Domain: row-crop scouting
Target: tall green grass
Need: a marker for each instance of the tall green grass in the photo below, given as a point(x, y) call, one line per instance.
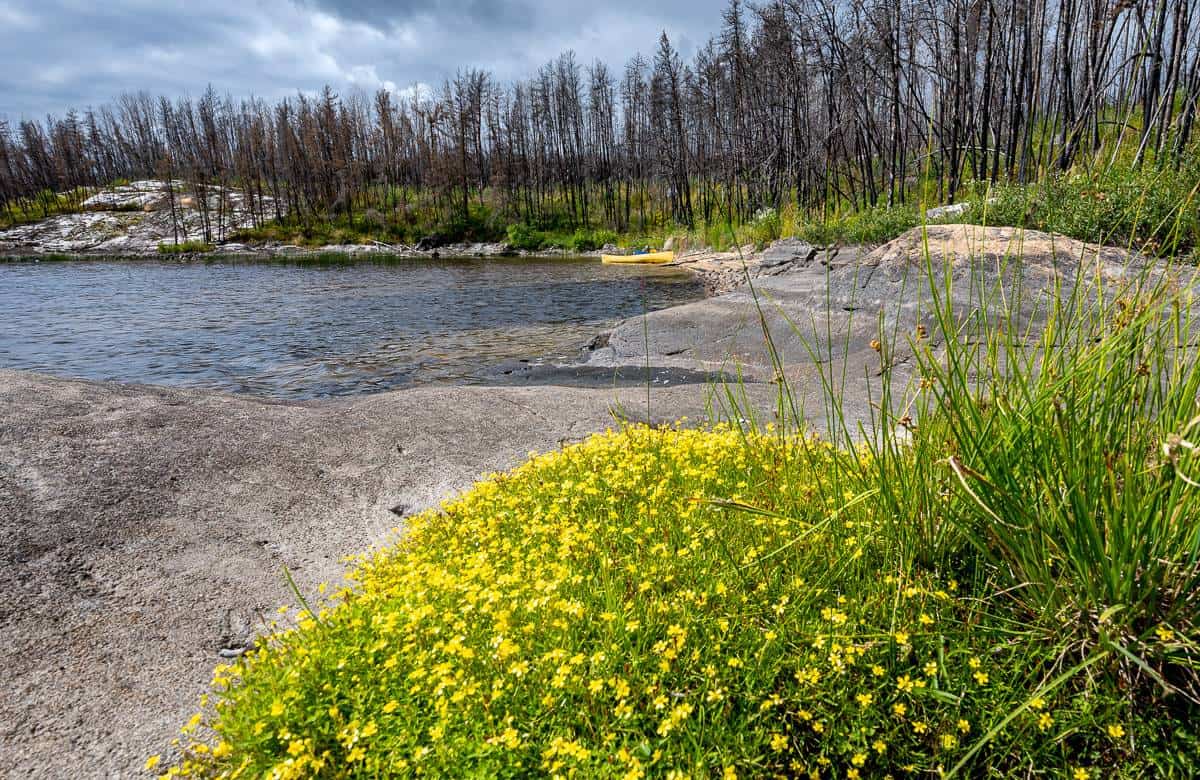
point(1155, 210)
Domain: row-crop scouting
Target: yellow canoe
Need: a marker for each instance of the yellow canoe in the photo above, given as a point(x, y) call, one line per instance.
point(651, 258)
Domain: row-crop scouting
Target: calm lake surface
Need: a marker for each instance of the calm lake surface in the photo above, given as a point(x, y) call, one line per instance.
point(303, 330)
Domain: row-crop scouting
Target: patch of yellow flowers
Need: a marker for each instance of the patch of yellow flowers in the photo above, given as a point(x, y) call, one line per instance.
point(651, 602)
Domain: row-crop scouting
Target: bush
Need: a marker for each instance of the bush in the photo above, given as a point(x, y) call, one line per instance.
point(478, 225)
point(373, 219)
point(185, 247)
point(522, 236)
point(587, 240)
point(876, 225)
point(765, 227)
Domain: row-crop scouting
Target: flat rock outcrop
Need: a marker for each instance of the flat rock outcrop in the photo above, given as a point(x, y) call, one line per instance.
point(829, 305)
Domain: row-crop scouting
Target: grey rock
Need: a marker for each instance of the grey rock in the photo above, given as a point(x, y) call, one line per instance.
point(786, 251)
point(829, 309)
point(945, 212)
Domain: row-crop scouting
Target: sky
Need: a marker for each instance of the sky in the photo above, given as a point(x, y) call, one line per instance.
point(60, 54)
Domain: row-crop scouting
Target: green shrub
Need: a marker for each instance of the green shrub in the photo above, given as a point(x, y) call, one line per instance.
point(522, 236)
point(765, 227)
point(185, 247)
point(587, 240)
point(718, 236)
point(868, 226)
point(577, 240)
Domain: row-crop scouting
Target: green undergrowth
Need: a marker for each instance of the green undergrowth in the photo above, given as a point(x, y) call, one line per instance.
point(1149, 209)
point(523, 236)
point(46, 204)
point(1000, 577)
point(186, 247)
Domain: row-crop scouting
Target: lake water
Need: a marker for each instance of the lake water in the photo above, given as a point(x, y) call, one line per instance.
point(306, 330)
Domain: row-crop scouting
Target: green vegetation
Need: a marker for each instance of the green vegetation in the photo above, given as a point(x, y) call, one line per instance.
point(1150, 208)
point(46, 203)
point(999, 575)
point(521, 236)
point(1153, 210)
point(185, 248)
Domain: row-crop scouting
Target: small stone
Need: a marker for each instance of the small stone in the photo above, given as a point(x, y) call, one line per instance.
point(951, 210)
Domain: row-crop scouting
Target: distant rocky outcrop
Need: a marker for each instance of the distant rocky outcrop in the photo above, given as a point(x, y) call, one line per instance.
point(131, 219)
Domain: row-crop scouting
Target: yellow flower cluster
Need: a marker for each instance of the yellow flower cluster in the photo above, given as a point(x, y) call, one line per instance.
point(648, 602)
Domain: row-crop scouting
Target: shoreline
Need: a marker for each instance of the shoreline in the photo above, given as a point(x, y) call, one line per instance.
point(720, 272)
point(129, 222)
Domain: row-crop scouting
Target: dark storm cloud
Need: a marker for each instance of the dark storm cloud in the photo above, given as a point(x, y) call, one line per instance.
point(57, 54)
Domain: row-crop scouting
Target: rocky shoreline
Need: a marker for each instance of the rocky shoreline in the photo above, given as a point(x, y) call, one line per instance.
point(131, 222)
point(143, 530)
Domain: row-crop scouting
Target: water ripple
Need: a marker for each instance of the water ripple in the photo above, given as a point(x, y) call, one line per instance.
point(307, 331)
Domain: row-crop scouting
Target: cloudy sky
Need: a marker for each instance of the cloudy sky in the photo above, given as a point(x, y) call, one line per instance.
point(57, 54)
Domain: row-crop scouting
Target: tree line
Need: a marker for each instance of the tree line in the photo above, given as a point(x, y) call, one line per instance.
point(817, 102)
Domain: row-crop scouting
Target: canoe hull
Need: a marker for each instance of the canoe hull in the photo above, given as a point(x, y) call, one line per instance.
point(651, 258)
